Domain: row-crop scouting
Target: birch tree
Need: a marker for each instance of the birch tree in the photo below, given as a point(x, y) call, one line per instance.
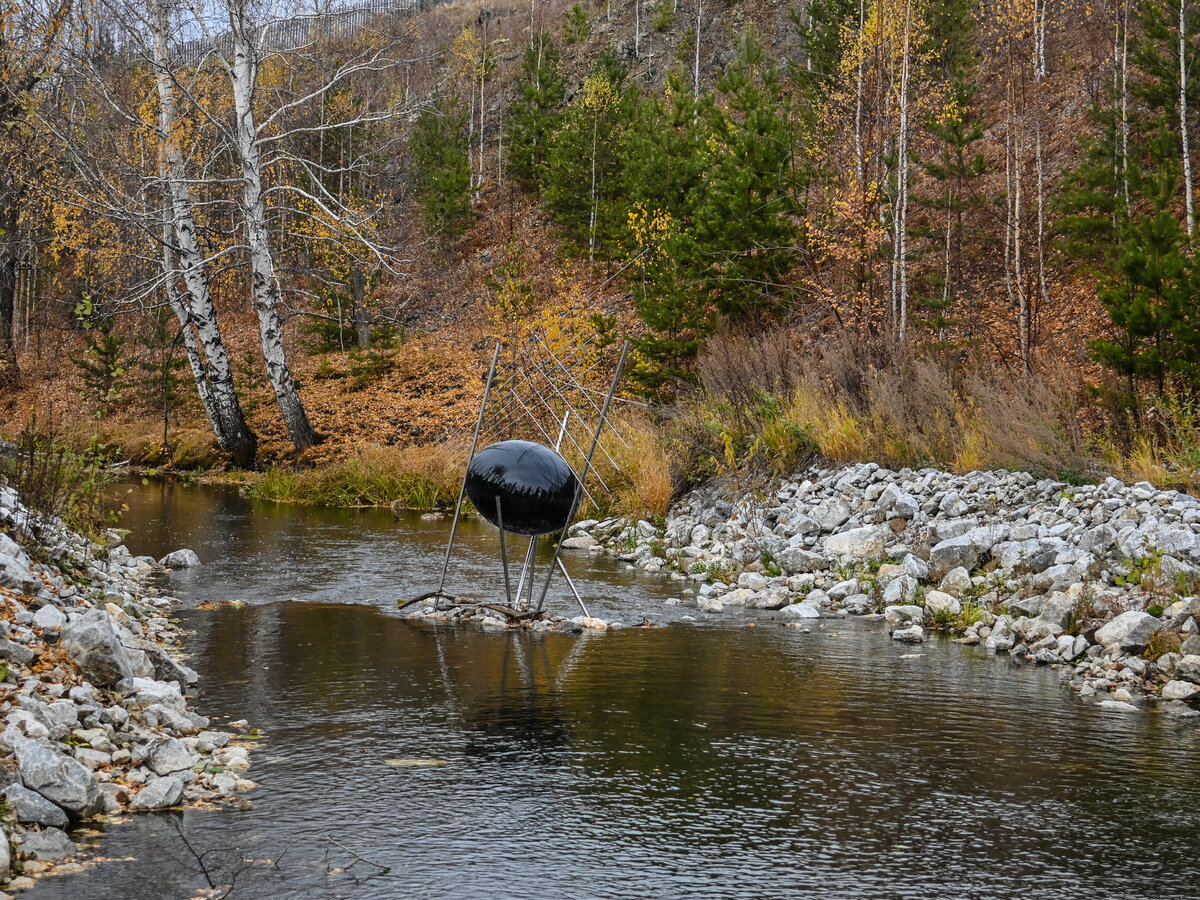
point(212, 373)
point(268, 143)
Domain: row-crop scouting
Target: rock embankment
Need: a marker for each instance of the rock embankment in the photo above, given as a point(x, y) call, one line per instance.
point(96, 714)
point(1100, 580)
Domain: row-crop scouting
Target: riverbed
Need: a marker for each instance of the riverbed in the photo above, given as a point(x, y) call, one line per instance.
point(703, 759)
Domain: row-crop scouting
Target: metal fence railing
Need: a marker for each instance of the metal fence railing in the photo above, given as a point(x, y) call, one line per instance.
point(282, 35)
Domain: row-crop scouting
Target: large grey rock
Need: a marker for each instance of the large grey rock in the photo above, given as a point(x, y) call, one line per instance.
point(1058, 610)
point(14, 652)
point(830, 513)
point(894, 502)
point(180, 559)
point(798, 560)
point(900, 591)
point(803, 610)
point(939, 602)
point(93, 643)
point(161, 793)
point(913, 634)
point(32, 808)
point(169, 755)
point(1180, 690)
point(60, 779)
point(167, 669)
point(956, 581)
point(48, 845)
point(752, 581)
point(1096, 541)
point(14, 568)
point(50, 616)
point(771, 598)
point(966, 550)
point(1129, 631)
point(1188, 668)
point(858, 543)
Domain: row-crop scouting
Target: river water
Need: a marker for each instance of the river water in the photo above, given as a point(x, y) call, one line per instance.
point(704, 759)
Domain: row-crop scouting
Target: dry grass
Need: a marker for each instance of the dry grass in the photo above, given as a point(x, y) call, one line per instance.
point(418, 477)
point(644, 486)
point(758, 404)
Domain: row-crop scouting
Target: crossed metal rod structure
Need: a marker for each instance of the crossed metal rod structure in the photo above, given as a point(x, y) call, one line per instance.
point(512, 411)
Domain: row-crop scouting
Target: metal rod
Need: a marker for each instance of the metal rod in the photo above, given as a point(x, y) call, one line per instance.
point(587, 463)
point(582, 390)
point(562, 430)
point(571, 584)
point(525, 571)
point(487, 389)
point(503, 553)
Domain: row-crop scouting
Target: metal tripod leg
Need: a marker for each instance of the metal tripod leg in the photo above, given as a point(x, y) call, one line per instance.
point(487, 389)
point(526, 571)
point(503, 553)
point(571, 585)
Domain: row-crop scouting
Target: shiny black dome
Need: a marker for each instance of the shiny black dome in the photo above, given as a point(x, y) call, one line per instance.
point(538, 491)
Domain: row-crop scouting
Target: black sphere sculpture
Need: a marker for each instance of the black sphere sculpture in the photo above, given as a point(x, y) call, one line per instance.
point(538, 491)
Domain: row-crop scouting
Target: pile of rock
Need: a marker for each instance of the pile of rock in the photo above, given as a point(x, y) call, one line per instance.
point(1090, 577)
point(96, 717)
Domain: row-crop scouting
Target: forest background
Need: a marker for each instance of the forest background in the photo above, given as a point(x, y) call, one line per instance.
point(241, 235)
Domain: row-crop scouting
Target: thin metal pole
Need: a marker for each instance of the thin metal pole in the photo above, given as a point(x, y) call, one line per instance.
point(571, 584)
point(487, 389)
point(525, 569)
point(503, 553)
point(587, 464)
point(562, 430)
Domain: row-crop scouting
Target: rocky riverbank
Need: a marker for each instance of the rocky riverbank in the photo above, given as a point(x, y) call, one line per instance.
point(95, 703)
point(1100, 581)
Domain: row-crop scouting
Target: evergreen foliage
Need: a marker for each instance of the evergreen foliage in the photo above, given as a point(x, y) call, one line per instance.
point(534, 115)
point(443, 168)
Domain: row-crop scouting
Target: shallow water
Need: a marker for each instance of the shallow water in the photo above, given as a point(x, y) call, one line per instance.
point(700, 760)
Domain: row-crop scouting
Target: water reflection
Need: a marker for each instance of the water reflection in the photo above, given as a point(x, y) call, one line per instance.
point(677, 762)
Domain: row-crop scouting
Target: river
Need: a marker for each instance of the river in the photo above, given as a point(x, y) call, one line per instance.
point(703, 759)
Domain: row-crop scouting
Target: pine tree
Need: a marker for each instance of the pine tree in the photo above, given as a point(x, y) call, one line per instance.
point(1145, 279)
point(819, 24)
point(534, 115)
point(443, 168)
point(744, 209)
point(584, 159)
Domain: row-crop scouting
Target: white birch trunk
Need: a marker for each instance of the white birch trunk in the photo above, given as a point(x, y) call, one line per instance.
point(1018, 275)
point(230, 428)
point(1183, 119)
point(1041, 232)
point(696, 66)
point(242, 74)
point(1125, 106)
point(858, 98)
point(176, 302)
point(903, 176)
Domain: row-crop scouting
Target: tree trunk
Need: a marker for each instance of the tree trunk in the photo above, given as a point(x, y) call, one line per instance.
point(229, 422)
point(1183, 118)
point(262, 263)
point(9, 373)
point(362, 324)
